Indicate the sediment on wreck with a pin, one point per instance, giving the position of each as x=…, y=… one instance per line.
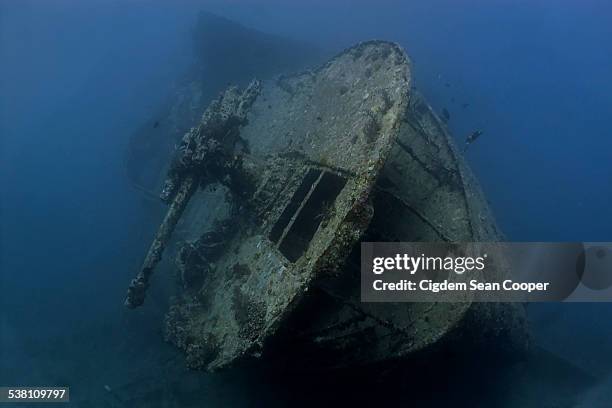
x=205, y=155
x=327, y=158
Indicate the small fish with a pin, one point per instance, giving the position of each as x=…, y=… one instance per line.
x=156, y=124
x=465, y=105
x=445, y=115
x=112, y=392
x=472, y=138
x=447, y=84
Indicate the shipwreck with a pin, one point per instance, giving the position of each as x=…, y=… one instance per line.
x=270, y=194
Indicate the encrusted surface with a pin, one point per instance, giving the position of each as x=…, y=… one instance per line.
x=205, y=155
x=339, y=120
x=326, y=158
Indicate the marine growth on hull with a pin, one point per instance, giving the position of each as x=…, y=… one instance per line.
x=269, y=196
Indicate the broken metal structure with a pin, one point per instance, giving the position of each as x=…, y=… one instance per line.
x=270, y=196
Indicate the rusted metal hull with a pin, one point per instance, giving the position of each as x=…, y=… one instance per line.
x=324, y=160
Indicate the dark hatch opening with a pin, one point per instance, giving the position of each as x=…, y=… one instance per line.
x=309, y=179
x=311, y=212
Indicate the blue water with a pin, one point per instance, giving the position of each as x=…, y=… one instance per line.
x=77, y=78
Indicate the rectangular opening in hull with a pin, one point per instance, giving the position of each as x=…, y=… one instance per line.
x=316, y=206
x=294, y=204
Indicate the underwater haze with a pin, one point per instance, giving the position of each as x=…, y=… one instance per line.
x=79, y=78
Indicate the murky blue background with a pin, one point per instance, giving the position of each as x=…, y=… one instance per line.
x=78, y=77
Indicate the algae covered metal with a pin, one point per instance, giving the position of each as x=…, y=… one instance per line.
x=270, y=196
